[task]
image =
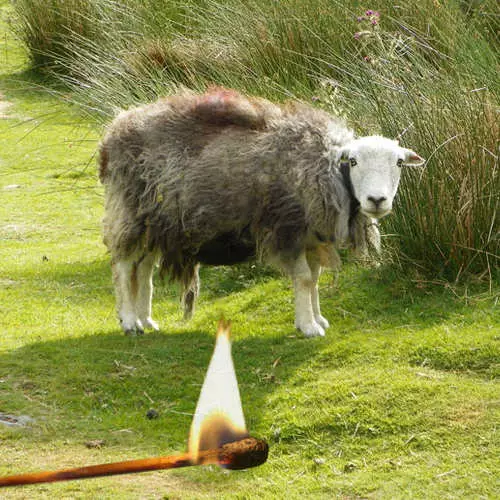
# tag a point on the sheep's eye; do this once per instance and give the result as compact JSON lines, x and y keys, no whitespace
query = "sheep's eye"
{"x":353,"y":162}
{"x":400,"y":162}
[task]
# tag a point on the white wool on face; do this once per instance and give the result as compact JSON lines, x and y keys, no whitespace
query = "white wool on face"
{"x":375,"y":175}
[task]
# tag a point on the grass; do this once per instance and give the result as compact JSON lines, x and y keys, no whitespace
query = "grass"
{"x":424,"y":71}
{"x":399,"y":400}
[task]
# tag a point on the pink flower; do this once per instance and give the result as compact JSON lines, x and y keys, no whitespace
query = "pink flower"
{"x":369,"y":13}
{"x":357,"y":35}
{"x":374,"y":22}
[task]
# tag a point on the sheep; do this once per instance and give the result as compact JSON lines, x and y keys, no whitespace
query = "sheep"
{"x":219,"y":178}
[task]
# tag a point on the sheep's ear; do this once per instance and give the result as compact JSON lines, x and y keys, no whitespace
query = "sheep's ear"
{"x":411,"y":158}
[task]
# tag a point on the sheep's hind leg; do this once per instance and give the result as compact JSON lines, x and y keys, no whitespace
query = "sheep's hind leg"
{"x":314,"y":263}
{"x":190,"y":290}
{"x":145,"y":267}
{"x":125,"y":278}
{"x":303,"y":284}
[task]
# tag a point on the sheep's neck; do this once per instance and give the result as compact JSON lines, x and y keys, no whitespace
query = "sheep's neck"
{"x":353,"y":202}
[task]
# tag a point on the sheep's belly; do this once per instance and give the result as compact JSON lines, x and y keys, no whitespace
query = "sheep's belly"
{"x":226,"y":249}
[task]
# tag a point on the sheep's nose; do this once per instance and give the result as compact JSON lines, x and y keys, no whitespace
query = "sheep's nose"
{"x":377,"y":201}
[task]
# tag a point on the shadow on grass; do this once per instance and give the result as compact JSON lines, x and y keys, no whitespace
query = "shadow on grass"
{"x":32,"y":83}
{"x":106,"y":382}
{"x":218,"y":282}
{"x":96,"y":275}
{"x":103,"y":384}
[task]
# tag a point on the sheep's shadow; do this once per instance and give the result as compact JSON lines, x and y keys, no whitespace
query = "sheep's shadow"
{"x":92,"y":277}
{"x":223,"y":280}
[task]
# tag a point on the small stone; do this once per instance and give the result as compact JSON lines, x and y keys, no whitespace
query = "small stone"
{"x":15,"y":420}
{"x":152,"y":414}
{"x":319,"y":461}
{"x":350,"y":467}
{"x":95,"y":443}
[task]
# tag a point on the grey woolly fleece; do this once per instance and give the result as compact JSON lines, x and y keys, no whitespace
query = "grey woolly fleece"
{"x":219,"y":176}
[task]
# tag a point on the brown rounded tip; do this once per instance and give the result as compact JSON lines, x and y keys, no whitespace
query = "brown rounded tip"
{"x":243,"y":454}
{"x":224,"y":326}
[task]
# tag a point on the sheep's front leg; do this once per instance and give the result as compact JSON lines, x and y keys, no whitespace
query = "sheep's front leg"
{"x":303,"y":285}
{"x":314,"y":263}
{"x":145,"y":267}
{"x":125,"y":279}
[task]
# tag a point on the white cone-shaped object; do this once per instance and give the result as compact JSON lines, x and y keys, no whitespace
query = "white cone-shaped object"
{"x":218,"y":418}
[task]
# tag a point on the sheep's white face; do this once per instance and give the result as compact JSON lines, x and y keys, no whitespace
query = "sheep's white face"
{"x":375,"y":169}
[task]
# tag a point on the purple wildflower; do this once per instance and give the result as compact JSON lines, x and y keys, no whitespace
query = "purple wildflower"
{"x":374,"y":22}
{"x":369,"y":13}
{"x":361,"y":19}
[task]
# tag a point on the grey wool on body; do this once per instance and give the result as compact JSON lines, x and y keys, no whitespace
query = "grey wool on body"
{"x":218,"y":178}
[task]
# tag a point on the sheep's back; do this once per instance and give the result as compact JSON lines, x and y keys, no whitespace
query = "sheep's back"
{"x":188,"y":122}
{"x":193,"y":167}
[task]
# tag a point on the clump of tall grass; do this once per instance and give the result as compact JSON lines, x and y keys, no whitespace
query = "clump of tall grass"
{"x":423,"y":71}
{"x":44,"y":27}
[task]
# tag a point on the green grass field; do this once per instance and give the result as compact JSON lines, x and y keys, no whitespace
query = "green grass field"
{"x":399,"y":400}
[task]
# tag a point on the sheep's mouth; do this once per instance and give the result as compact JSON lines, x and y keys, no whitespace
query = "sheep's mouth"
{"x":376,"y":214}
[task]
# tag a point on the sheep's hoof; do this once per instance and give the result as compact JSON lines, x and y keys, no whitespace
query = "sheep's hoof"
{"x":312,"y":330}
{"x":323,"y":322}
{"x":151,"y":324}
{"x":134,"y":332}
{"x":132,"y":329}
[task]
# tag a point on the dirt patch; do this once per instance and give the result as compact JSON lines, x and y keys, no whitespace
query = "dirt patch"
{"x":466,"y":416}
{"x":5,"y":282}
{"x":13,"y":232}
{"x":4,"y":107}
